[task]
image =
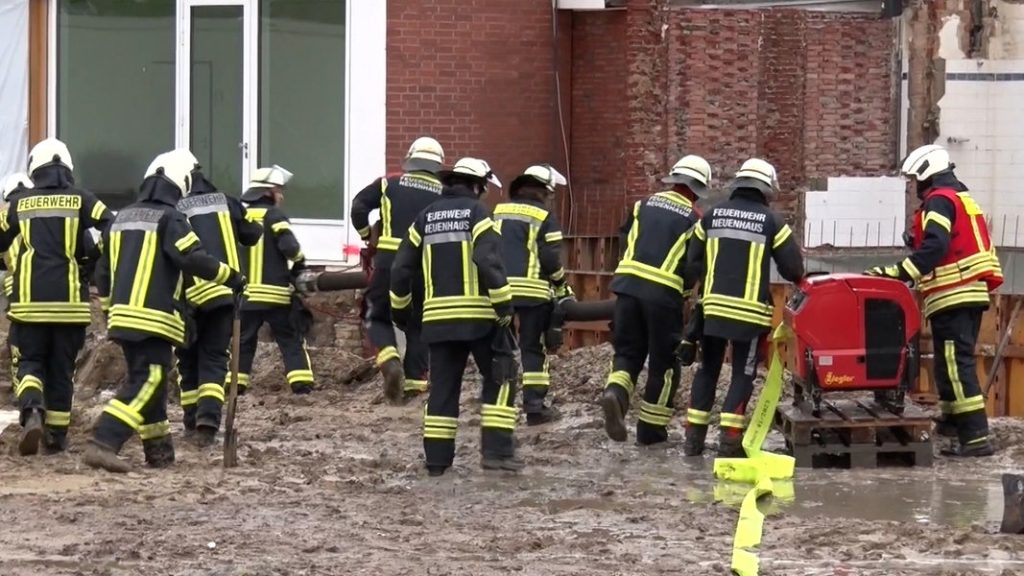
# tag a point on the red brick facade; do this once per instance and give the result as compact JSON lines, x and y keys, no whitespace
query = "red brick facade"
{"x":812,"y":92}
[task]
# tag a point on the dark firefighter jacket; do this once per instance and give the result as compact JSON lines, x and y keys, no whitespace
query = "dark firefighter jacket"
{"x":658,"y":230}
{"x":731,"y":253}
{"x":268,"y":263}
{"x":400,"y":199}
{"x":531,"y":243}
{"x":51,"y":218}
{"x":220,"y":222}
{"x":455,"y":244}
{"x":139,"y":276}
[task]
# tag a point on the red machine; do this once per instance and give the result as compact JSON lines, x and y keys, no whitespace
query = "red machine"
{"x":852,"y":332}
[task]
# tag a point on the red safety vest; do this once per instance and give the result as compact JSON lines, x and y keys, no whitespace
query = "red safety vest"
{"x":971,"y":257}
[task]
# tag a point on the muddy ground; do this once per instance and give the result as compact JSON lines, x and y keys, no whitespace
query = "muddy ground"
{"x":332,"y":484}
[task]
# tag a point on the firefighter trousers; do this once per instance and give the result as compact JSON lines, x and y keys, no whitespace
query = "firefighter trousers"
{"x":46,"y":369}
{"x":292,"y":344}
{"x":140,"y":406}
{"x":441,"y":419}
{"x":651,"y":332}
{"x":203,"y":368}
{"x":14,"y":350}
{"x":381,"y":330}
{"x":955,"y":335}
{"x":702,"y":396}
{"x":533,"y":323}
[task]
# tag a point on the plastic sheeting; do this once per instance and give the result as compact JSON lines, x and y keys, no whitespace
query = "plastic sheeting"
{"x":13,"y":86}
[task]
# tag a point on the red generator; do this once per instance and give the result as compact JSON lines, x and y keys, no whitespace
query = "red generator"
{"x":852,"y":332}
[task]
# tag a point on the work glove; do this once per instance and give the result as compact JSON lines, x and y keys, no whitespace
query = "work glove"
{"x":892,"y":271}
{"x":686,"y":352}
{"x":237,"y":282}
{"x":504,"y":313}
{"x":305,"y":281}
{"x":564,"y":292}
{"x":908,"y":239}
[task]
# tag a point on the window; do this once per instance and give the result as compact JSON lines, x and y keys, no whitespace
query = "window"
{"x":302,"y":101}
{"x":115,"y":87}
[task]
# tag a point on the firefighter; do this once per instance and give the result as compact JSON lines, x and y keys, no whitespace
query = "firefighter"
{"x":14,"y":187}
{"x":399,"y":198}
{"x":531,"y":242}
{"x":271,"y":266}
{"x":220,"y":223}
{"x":650,"y":294}
{"x":467,"y":303}
{"x":730,"y":254}
{"x":49,"y":303}
{"x":139,"y":279}
{"x":955,"y":267}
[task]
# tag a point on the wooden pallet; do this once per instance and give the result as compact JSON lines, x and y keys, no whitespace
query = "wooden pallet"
{"x":856,"y":434}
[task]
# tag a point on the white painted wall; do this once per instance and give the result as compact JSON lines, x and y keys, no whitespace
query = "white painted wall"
{"x":13,"y":86}
{"x":856,"y":212}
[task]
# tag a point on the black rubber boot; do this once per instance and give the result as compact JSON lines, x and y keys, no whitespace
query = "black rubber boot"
{"x":31,"y":433}
{"x":545,"y":415}
{"x":730,"y":445}
{"x":945,"y":426}
{"x":394,"y":380}
{"x":205,"y":433}
{"x":693,"y":444}
{"x":436,"y":470}
{"x":976,"y":449}
{"x":188,"y":419}
{"x":302,"y":389}
{"x":159,"y":452}
{"x":55,"y":441}
{"x":102,"y":456}
{"x":614,"y":403}
{"x":506,"y":463}
{"x":1013,"y":504}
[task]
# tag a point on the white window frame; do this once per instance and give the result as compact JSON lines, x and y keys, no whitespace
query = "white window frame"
{"x":365,"y":139}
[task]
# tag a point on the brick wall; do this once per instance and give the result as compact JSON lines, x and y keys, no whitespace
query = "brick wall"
{"x":478,"y":76}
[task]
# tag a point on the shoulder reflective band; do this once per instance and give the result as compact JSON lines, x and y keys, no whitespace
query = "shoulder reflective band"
{"x":759,"y":468}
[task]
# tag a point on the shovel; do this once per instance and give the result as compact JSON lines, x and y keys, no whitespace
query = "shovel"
{"x":230,"y":434}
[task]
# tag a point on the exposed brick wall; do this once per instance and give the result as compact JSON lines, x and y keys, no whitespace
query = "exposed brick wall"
{"x":600,"y":119}
{"x":478,"y":76}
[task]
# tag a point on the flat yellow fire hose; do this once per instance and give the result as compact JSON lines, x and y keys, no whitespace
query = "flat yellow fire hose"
{"x":758,"y":468}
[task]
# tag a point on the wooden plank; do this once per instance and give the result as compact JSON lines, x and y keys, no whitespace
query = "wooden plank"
{"x":38,"y":16}
{"x":1015,"y":400}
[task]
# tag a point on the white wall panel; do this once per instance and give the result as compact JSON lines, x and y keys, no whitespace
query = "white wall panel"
{"x":13,"y":86}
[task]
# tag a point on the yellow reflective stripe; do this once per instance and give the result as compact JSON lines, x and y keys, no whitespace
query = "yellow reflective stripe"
{"x":227,"y":234}
{"x":755,"y":254}
{"x":124,"y":413}
{"x":711,"y":258}
{"x":500,"y":295}
{"x":255,"y":275}
{"x":469,"y":287}
{"x":782,"y":235}
{"x":24,"y":270}
{"x":558,"y":275}
{"x":733,"y":420}
{"x":676,"y":253}
{"x":698,"y":231}
{"x":634,"y":232}
{"x":185,"y":242}
{"x":503,"y":393}
{"x":439,"y":427}
{"x":666,"y":388}
{"x":530,"y":288}
{"x":459,"y":314}
{"x":972,"y":404}
{"x":387,"y":353}
{"x":621,"y":378}
{"x":751,"y":306}
{"x":400,"y":302}
{"x":58,"y":419}
{"x":974,"y":293}
{"x":553,"y":237}
{"x":154,"y":431}
{"x":441,"y":302}
{"x":145,"y":395}
{"x":650,"y":273}
{"x":949,"y":347}
{"x":70,"y":249}
{"x":144,"y":273}
{"x":28,"y":382}
{"x":202,"y":292}
{"x":299,"y":376}
{"x":520,"y":209}
{"x":428,"y":267}
{"x":414,"y":237}
{"x":536,"y":379}
{"x":655,"y":414}
{"x":388,"y":243}
{"x":911,"y":269}
{"x":413,"y":385}
{"x":98,"y":209}
{"x":213,"y":390}
{"x":938,"y":219}
{"x":277,"y":227}
{"x":533,"y":261}
{"x":501,"y":417}
{"x":223,"y":273}
{"x":698,"y":417}
{"x":363,"y":232}
{"x":189,"y":397}
{"x":385,"y":209}
{"x":482,"y":226}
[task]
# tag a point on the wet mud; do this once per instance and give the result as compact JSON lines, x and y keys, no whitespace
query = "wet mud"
{"x":332,"y":484}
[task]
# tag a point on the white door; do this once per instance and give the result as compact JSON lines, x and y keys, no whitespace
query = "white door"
{"x":216,"y":101}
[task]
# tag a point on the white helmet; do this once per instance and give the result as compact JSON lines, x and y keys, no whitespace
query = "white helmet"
{"x":187,"y":154}
{"x":49,"y":151}
{"x":476,"y":168}
{"x":692,"y":171}
{"x":925,"y":162}
{"x":175,"y":167}
{"x":15,"y":181}
{"x":546,"y":175}
{"x":425,"y":154}
{"x":758,"y":174}
{"x":270,"y":177}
